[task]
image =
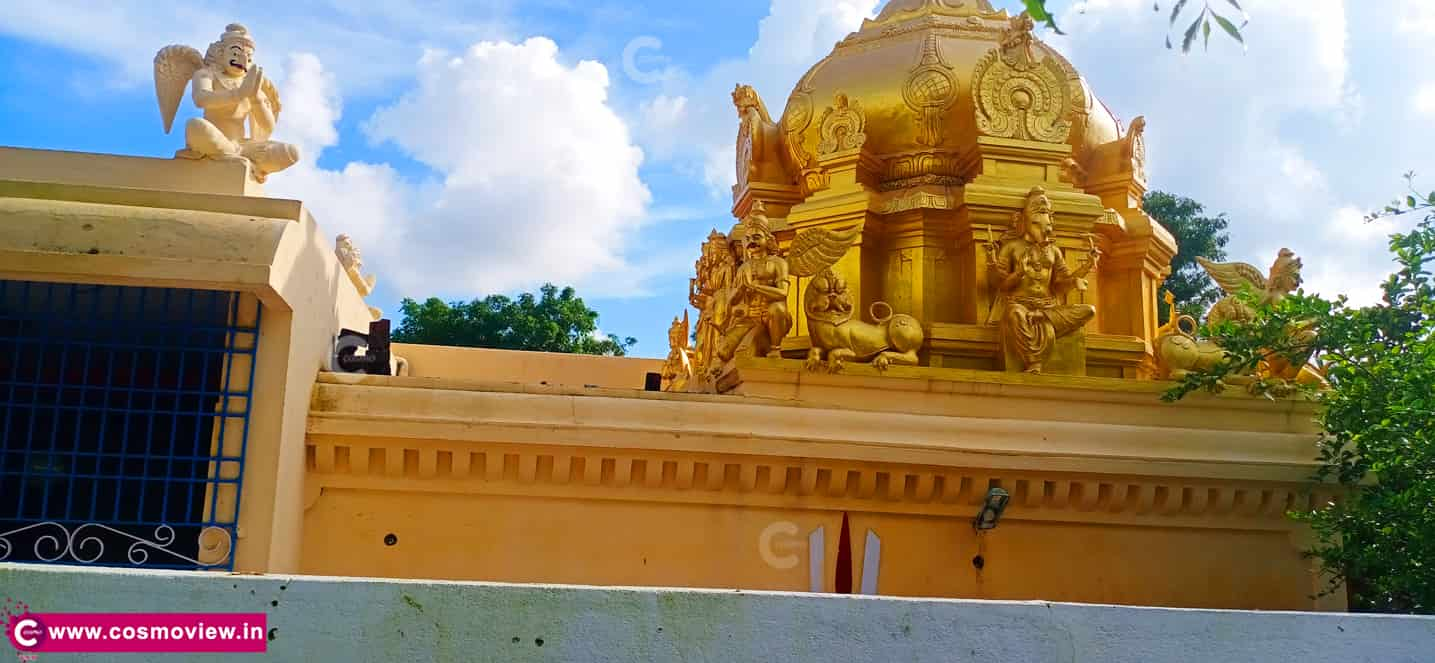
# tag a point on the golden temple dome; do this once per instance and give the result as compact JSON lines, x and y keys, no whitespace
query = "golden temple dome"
{"x":909,"y":84}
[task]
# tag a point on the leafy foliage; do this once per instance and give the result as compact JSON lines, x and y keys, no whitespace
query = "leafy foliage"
{"x":1201,"y":25}
{"x":1196,"y":235}
{"x":1378,"y":414}
{"x":555,"y":321}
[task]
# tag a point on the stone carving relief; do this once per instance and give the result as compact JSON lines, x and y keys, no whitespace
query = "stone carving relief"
{"x":1018,"y":96}
{"x":936,"y":167}
{"x":1030,"y":279}
{"x":842,"y":126}
{"x":232,"y":91}
{"x":916,"y":200}
{"x":930,"y":90}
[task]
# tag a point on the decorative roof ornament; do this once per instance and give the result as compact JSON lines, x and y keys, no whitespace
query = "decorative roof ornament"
{"x":900,"y":9}
{"x":842,"y":126}
{"x":1135,"y":149}
{"x":930,"y":90}
{"x":351,"y":259}
{"x":1017,"y":96}
{"x":759,"y":139}
{"x":233,"y":91}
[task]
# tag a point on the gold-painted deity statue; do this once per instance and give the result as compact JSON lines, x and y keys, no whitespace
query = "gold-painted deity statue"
{"x":232,"y":90}
{"x":709,"y":293}
{"x":678,"y":368}
{"x":1030,"y":279}
{"x":758,"y":299}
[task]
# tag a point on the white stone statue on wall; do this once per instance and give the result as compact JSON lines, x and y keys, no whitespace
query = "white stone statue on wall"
{"x":353,"y":262}
{"x":232,"y":90}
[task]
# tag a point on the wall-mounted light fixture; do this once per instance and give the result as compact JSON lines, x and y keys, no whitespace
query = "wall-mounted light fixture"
{"x":992,"y":509}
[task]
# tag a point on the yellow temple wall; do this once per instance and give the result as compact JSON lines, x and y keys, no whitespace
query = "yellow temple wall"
{"x":514,"y":538}
{"x":1178,"y":505}
{"x":438,"y":361}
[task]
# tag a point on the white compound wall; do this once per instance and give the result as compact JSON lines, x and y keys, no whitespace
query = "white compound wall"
{"x":318,"y":619}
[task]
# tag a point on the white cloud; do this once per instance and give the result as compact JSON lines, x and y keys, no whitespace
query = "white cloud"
{"x":662,"y":119}
{"x":367,"y":201}
{"x":1425,"y":98}
{"x":1358,"y":262}
{"x":1251,"y":132}
{"x":368,"y":47}
{"x":1416,"y":17}
{"x":536,"y":176}
{"x":792,"y":37}
{"x":311,"y":102}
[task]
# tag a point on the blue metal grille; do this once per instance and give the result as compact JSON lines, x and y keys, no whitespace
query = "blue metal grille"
{"x":124,"y":425}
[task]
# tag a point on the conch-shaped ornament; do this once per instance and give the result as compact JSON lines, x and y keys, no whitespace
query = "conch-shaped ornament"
{"x":836,"y":336}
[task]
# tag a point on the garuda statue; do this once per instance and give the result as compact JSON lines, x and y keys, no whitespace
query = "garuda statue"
{"x":1030,"y":278}
{"x":1179,"y":351}
{"x":757,"y":299}
{"x":232,"y":90}
{"x":1283,"y":279}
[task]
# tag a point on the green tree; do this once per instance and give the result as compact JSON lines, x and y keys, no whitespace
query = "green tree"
{"x":1378,"y":415}
{"x":1196,"y":235}
{"x":555,"y":321}
{"x":1206,"y":20}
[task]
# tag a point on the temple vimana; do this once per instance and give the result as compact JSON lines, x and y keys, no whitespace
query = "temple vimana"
{"x":924,"y":360}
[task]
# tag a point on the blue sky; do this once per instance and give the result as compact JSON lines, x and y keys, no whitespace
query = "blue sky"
{"x":476,"y":147}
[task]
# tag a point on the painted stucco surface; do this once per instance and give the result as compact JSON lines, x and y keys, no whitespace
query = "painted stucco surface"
{"x":349,"y":619}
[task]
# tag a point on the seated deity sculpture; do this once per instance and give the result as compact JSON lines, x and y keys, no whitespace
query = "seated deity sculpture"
{"x":758,"y":299}
{"x":231,"y":90}
{"x":1030,"y":279}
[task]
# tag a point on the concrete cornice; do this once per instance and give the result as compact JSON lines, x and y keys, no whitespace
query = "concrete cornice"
{"x":449,"y":436}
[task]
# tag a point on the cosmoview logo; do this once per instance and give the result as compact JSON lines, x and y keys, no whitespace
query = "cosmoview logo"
{"x":641,"y":52}
{"x":22,"y":628}
{"x":25,"y":632}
